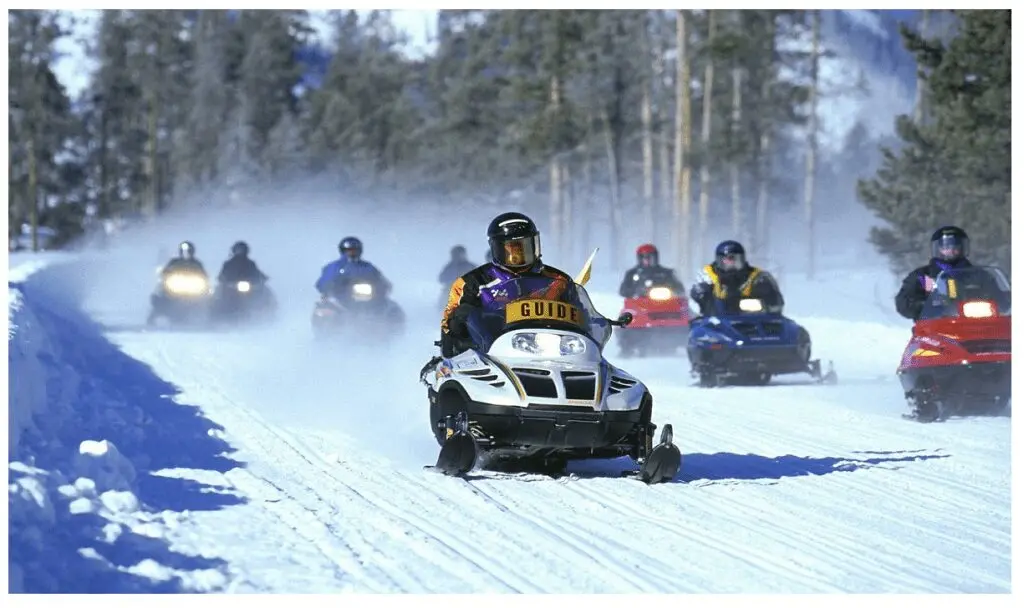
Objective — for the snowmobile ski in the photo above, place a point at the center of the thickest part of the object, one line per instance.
(459, 452)
(663, 462)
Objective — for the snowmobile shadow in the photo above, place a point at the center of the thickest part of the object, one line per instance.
(724, 466)
(100, 393)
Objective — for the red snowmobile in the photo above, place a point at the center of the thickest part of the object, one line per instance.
(661, 322)
(958, 358)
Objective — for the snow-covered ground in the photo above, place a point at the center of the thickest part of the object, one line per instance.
(254, 462)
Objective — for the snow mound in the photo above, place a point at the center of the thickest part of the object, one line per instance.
(92, 433)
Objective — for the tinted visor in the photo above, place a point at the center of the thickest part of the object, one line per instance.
(731, 261)
(351, 253)
(516, 253)
(950, 247)
(647, 259)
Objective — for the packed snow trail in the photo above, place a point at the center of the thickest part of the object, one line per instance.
(793, 488)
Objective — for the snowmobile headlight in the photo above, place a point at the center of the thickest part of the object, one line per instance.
(979, 309)
(751, 305)
(548, 345)
(244, 286)
(362, 291)
(572, 345)
(660, 293)
(186, 284)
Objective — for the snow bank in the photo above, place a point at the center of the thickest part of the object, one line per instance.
(90, 430)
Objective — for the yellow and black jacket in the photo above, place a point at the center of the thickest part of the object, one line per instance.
(731, 286)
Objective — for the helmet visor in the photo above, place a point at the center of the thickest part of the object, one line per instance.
(950, 247)
(648, 259)
(731, 261)
(516, 253)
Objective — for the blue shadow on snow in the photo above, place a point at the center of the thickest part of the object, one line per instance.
(122, 400)
(726, 466)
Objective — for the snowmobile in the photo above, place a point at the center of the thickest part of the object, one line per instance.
(182, 297)
(535, 391)
(661, 322)
(357, 305)
(957, 361)
(748, 346)
(242, 301)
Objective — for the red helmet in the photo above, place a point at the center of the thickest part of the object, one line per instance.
(647, 255)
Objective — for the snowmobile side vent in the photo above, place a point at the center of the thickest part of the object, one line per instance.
(746, 328)
(618, 384)
(579, 385)
(978, 347)
(536, 382)
(487, 378)
(772, 328)
(473, 372)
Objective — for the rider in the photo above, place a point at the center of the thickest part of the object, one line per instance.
(456, 267)
(186, 260)
(515, 252)
(634, 283)
(239, 267)
(950, 248)
(351, 265)
(730, 278)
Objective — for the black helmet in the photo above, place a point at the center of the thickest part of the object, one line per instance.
(186, 250)
(950, 244)
(514, 241)
(240, 248)
(459, 253)
(351, 247)
(730, 255)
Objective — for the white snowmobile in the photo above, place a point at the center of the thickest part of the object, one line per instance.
(535, 391)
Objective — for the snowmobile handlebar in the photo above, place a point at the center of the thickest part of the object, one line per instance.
(624, 319)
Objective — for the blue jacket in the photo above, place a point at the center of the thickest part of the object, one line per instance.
(352, 269)
(328, 272)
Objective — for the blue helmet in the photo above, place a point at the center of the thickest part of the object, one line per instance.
(351, 247)
(730, 255)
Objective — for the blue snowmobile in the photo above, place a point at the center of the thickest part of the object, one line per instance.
(749, 345)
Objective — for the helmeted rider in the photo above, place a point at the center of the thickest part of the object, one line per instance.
(730, 278)
(456, 267)
(514, 252)
(186, 260)
(950, 248)
(349, 267)
(240, 267)
(635, 282)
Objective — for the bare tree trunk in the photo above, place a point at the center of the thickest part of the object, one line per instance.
(152, 198)
(555, 170)
(705, 139)
(615, 215)
(764, 168)
(919, 98)
(812, 145)
(588, 177)
(648, 160)
(734, 165)
(33, 190)
(646, 119)
(684, 127)
(568, 235)
(665, 175)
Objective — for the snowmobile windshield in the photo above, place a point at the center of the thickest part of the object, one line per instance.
(965, 292)
(532, 302)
